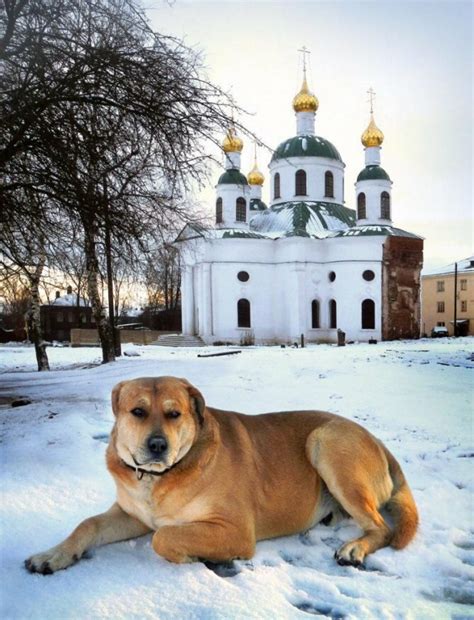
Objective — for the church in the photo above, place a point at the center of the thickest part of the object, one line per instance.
(306, 264)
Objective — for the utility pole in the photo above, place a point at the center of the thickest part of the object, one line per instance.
(455, 299)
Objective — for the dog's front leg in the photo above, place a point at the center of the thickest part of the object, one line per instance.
(217, 542)
(108, 527)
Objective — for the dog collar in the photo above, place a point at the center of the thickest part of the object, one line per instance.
(140, 472)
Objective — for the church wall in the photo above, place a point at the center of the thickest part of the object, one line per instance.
(285, 276)
(315, 168)
(402, 263)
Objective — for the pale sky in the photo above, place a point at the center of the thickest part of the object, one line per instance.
(417, 56)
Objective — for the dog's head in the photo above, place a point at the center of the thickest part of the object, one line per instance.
(157, 421)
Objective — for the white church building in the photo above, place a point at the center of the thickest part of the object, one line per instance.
(307, 264)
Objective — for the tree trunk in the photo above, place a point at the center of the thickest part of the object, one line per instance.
(92, 268)
(34, 318)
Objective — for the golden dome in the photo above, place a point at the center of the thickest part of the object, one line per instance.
(255, 177)
(305, 101)
(372, 136)
(232, 143)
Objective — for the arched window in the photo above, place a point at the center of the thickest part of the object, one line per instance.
(368, 314)
(243, 313)
(240, 210)
(361, 210)
(329, 184)
(385, 205)
(300, 183)
(332, 314)
(276, 185)
(315, 323)
(219, 211)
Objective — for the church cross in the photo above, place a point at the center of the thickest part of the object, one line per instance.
(304, 50)
(371, 94)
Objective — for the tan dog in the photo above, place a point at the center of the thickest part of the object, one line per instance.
(211, 483)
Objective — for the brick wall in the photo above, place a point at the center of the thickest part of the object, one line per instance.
(89, 337)
(402, 263)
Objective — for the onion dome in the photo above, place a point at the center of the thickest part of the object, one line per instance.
(372, 136)
(232, 143)
(255, 177)
(305, 101)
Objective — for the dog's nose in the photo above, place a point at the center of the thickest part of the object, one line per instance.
(157, 444)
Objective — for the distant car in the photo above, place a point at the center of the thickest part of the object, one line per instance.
(440, 331)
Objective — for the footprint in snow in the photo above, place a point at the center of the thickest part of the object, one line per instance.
(103, 437)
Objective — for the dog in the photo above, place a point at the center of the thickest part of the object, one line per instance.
(210, 483)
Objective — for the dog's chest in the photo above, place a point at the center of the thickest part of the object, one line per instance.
(141, 502)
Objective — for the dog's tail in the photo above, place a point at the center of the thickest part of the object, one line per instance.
(401, 506)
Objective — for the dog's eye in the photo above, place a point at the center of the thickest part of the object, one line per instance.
(172, 415)
(138, 412)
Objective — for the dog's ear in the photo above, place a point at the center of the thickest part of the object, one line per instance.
(197, 401)
(115, 396)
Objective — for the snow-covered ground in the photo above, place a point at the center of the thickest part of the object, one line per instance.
(415, 396)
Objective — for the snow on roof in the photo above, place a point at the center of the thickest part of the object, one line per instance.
(466, 264)
(69, 300)
(310, 217)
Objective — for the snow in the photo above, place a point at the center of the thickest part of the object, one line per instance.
(463, 265)
(416, 396)
(69, 299)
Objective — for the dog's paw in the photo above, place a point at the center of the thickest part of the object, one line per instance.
(50, 561)
(351, 554)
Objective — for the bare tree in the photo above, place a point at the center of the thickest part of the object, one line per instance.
(108, 121)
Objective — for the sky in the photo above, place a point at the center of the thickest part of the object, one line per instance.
(417, 56)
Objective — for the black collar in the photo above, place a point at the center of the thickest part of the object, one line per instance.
(140, 472)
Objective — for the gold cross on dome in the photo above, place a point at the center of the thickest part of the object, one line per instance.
(304, 50)
(371, 93)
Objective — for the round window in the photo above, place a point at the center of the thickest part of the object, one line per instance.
(243, 276)
(332, 276)
(368, 275)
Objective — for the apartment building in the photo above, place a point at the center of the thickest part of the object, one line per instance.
(439, 298)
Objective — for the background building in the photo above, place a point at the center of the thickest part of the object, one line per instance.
(438, 298)
(66, 312)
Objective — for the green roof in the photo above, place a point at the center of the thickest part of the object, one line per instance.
(232, 176)
(370, 173)
(300, 217)
(372, 230)
(256, 204)
(306, 146)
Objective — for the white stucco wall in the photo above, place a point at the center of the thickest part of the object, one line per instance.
(315, 168)
(373, 190)
(285, 276)
(229, 194)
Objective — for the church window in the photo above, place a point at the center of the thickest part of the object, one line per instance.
(332, 276)
(441, 306)
(361, 210)
(276, 185)
(385, 206)
(243, 313)
(243, 276)
(368, 275)
(219, 211)
(440, 286)
(332, 314)
(240, 210)
(300, 183)
(463, 305)
(368, 314)
(329, 184)
(463, 285)
(315, 324)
